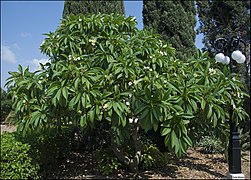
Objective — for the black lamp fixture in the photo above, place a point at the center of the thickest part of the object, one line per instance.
(232, 46)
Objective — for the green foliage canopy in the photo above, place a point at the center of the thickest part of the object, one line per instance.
(103, 69)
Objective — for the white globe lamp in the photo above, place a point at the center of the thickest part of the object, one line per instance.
(226, 60)
(236, 55)
(219, 57)
(241, 60)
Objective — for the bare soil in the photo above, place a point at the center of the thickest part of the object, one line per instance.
(7, 128)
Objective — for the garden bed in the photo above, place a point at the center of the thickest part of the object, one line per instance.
(195, 165)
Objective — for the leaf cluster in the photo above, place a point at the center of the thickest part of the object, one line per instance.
(16, 162)
(103, 69)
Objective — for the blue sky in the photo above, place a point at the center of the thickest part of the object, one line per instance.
(22, 26)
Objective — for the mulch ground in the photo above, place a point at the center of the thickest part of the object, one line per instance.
(195, 165)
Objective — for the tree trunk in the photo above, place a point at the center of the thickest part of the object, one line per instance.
(131, 163)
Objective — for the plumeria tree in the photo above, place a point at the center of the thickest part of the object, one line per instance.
(102, 69)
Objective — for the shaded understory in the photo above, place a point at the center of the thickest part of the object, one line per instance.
(191, 166)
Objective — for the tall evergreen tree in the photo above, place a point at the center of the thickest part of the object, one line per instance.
(220, 18)
(91, 6)
(223, 18)
(175, 21)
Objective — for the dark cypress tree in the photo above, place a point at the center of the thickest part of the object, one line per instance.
(175, 21)
(91, 6)
(220, 18)
(223, 18)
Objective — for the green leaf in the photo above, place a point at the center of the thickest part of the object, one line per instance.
(58, 95)
(187, 140)
(83, 121)
(209, 114)
(215, 120)
(20, 69)
(165, 131)
(92, 115)
(65, 93)
(203, 104)
(174, 139)
(115, 108)
(148, 92)
(140, 109)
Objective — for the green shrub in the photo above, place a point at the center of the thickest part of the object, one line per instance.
(152, 157)
(245, 140)
(16, 162)
(211, 145)
(48, 147)
(108, 162)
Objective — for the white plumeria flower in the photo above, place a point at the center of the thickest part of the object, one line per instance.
(136, 82)
(92, 41)
(127, 103)
(146, 67)
(150, 57)
(150, 69)
(39, 82)
(165, 82)
(80, 19)
(105, 106)
(212, 71)
(161, 53)
(136, 120)
(130, 83)
(130, 120)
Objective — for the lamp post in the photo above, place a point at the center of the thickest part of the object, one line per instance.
(226, 46)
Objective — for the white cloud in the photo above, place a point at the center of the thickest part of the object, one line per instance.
(16, 46)
(8, 55)
(35, 63)
(25, 34)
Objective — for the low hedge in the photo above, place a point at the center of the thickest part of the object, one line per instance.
(16, 162)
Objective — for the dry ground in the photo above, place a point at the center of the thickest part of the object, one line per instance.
(195, 165)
